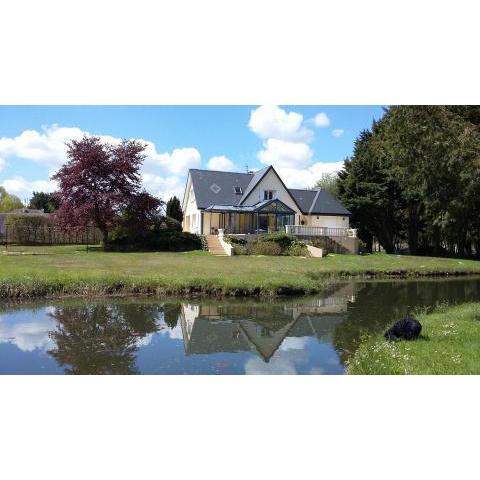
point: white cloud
(274, 122)
(163, 186)
(286, 143)
(28, 335)
(294, 343)
(173, 333)
(338, 132)
(289, 359)
(321, 120)
(163, 172)
(46, 147)
(306, 177)
(23, 188)
(221, 163)
(178, 162)
(283, 154)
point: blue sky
(300, 141)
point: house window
(238, 190)
(268, 194)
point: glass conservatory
(267, 216)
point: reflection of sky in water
(295, 356)
(303, 336)
(24, 342)
(27, 329)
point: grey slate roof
(217, 188)
(204, 182)
(325, 203)
(304, 198)
(257, 176)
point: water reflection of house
(260, 327)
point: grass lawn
(449, 344)
(70, 270)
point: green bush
(162, 241)
(318, 242)
(240, 250)
(235, 240)
(266, 248)
(362, 248)
(297, 249)
(283, 240)
(204, 241)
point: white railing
(308, 231)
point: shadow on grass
(423, 338)
(95, 249)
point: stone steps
(215, 247)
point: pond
(307, 335)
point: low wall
(227, 247)
(315, 252)
(345, 245)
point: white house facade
(249, 203)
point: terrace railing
(310, 231)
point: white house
(243, 203)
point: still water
(307, 335)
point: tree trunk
(367, 238)
(436, 242)
(477, 248)
(104, 238)
(413, 229)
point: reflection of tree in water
(379, 304)
(101, 339)
(171, 313)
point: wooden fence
(44, 235)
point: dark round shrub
(298, 249)
(266, 248)
(235, 240)
(240, 250)
(282, 239)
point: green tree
(44, 201)
(433, 150)
(328, 182)
(415, 177)
(174, 209)
(368, 189)
(9, 202)
(101, 338)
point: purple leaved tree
(98, 182)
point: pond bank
(449, 344)
(316, 334)
(70, 271)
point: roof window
(238, 190)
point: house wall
(271, 182)
(329, 221)
(210, 220)
(191, 214)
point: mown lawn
(71, 270)
(449, 344)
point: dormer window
(238, 190)
(268, 194)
